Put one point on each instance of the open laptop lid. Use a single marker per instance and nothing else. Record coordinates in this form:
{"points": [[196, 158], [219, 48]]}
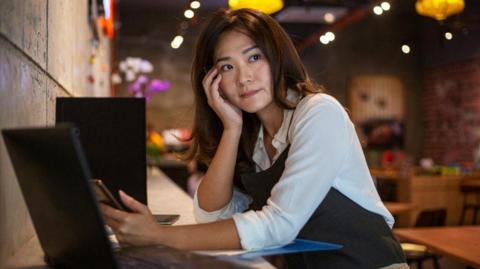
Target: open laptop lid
{"points": [[54, 178]]}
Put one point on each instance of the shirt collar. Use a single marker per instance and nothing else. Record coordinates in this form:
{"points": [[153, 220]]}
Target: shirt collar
{"points": [[280, 139]]}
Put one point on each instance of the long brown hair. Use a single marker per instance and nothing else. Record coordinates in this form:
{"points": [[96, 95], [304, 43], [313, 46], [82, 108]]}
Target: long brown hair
{"points": [[287, 70]]}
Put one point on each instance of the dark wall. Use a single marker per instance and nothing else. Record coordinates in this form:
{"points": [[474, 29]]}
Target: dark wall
{"points": [[465, 45], [372, 46]]}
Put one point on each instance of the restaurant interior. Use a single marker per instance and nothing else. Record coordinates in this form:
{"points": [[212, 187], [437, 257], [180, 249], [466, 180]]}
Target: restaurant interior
{"points": [[406, 71]]}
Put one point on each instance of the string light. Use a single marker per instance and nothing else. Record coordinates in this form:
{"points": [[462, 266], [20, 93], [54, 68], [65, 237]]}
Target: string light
{"points": [[183, 26], [324, 40], [327, 38], [378, 10], [406, 49], [330, 36], [385, 6], [189, 14], [195, 4], [177, 41], [448, 36], [329, 17]]}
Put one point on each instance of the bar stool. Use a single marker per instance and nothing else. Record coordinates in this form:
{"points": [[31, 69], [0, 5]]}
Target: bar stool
{"points": [[417, 253], [470, 189]]}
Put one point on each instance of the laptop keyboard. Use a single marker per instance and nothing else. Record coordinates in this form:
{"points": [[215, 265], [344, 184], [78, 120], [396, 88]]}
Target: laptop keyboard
{"points": [[164, 257]]}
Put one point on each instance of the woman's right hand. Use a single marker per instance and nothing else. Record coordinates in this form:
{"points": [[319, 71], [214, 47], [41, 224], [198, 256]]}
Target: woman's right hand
{"points": [[229, 114]]}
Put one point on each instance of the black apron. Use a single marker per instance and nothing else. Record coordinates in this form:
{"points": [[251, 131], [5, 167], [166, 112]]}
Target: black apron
{"points": [[368, 241]]}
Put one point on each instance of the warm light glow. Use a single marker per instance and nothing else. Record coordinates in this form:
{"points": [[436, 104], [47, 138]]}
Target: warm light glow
{"points": [[265, 6], [177, 41], [324, 40], [385, 6], [329, 17], [439, 9], [189, 14], [448, 36], [377, 10], [406, 49], [330, 36], [195, 4]]}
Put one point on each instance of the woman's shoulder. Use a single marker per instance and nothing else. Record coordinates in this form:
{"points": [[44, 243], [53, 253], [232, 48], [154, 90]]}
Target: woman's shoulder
{"points": [[319, 102]]}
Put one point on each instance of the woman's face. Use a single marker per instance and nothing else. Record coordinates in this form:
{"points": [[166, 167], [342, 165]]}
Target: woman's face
{"points": [[246, 73]]}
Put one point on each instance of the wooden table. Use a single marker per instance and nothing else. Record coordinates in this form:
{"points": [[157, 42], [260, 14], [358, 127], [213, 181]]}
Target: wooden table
{"points": [[398, 207], [461, 243]]}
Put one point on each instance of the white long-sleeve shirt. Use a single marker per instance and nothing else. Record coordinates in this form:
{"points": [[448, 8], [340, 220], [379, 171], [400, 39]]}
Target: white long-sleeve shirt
{"points": [[325, 152]]}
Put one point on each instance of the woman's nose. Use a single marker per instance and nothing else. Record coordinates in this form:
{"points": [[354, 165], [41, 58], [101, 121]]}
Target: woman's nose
{"points": [[245, 75]]}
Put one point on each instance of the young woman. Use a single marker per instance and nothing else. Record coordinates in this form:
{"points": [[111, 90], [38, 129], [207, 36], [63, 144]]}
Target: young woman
{"points": [[284, 159]]}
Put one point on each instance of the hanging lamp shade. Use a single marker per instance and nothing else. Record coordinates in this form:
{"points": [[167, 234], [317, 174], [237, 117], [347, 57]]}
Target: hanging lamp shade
{"points": [[265, 6], [439, 9]]}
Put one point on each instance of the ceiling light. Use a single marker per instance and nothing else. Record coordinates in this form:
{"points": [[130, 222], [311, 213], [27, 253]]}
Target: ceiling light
{"points": [[324, 40], [265, 6], [177, 41], [406, 49], [195, 4], [330, 36], [439, 9], [448, 36], [188, 14], [329, 17], [378, 10], [385, 6]]}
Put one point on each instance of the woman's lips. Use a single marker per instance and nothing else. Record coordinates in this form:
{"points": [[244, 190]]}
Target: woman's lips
{"points": [[249, 93]]}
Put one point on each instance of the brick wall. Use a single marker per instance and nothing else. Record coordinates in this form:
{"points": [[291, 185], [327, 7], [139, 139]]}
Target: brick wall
{"points": [[451, 104]]}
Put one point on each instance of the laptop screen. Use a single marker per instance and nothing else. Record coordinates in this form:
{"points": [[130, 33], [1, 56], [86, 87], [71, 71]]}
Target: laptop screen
{"points": [[54, 179]]}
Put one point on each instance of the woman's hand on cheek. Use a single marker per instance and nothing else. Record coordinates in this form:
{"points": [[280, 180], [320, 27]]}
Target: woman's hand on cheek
{"points": [[138, 228], [230, 115]]}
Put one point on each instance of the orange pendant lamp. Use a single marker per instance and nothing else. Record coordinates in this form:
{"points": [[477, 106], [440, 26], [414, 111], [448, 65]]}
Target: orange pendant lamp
{"points": [[439, 9], [265, 6]]}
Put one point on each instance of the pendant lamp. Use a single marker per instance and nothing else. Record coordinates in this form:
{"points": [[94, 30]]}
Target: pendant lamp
{"points": [[265, 6], [439, 9]]}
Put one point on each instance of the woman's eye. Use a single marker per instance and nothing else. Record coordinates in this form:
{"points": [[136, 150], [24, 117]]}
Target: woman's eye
{"points": [[226, 67], [255, 57]]}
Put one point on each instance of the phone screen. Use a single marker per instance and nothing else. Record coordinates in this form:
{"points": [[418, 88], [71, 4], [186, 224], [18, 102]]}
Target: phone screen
{"points": [[104, 195]]}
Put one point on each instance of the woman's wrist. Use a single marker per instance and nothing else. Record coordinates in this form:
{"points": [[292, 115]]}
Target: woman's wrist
{"points": [[161, 236], [235, 131]]}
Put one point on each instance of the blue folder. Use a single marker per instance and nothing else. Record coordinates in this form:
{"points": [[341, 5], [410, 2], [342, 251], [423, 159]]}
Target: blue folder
{"points": [[298, 245]]}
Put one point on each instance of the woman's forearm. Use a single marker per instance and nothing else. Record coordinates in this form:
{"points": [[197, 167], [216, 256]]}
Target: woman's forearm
{"points": [[209, 236], [215, 190]]}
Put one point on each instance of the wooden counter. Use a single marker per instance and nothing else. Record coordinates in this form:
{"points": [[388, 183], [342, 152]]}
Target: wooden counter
{"points": [[425, 192], [164, 197]]}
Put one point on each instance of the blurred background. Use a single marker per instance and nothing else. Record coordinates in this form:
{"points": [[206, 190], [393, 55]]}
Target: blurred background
{"points": [[407, 71]]}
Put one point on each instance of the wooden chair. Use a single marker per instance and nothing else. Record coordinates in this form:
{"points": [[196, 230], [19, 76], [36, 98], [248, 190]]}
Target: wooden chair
{"points": [[470, 189], [417, 253]]}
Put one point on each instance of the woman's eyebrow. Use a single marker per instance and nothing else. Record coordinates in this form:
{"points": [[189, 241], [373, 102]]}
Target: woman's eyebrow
{"points": [[249, 49], [245, 51]]}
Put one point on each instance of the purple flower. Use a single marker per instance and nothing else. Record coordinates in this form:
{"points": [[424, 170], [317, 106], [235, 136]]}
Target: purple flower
{"points": [[142, 79], [135, 87], [157, 85]]}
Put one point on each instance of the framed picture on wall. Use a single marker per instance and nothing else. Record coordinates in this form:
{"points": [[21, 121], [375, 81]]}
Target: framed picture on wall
{"points": [[377, 107]]}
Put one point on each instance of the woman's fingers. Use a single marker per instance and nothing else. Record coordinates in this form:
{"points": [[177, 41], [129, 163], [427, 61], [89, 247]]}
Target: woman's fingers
{"points": [[112, 213], [207, 81], [133, 204]]}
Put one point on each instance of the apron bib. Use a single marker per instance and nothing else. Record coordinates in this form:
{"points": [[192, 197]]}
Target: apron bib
{"points": [[368, 241]]}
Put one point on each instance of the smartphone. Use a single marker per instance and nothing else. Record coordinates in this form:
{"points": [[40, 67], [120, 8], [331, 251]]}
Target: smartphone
{"points": [[106, 197], [166, 219]]}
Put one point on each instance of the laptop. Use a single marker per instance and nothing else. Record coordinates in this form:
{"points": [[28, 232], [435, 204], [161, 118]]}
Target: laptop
{"points": [[54, 178]]}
